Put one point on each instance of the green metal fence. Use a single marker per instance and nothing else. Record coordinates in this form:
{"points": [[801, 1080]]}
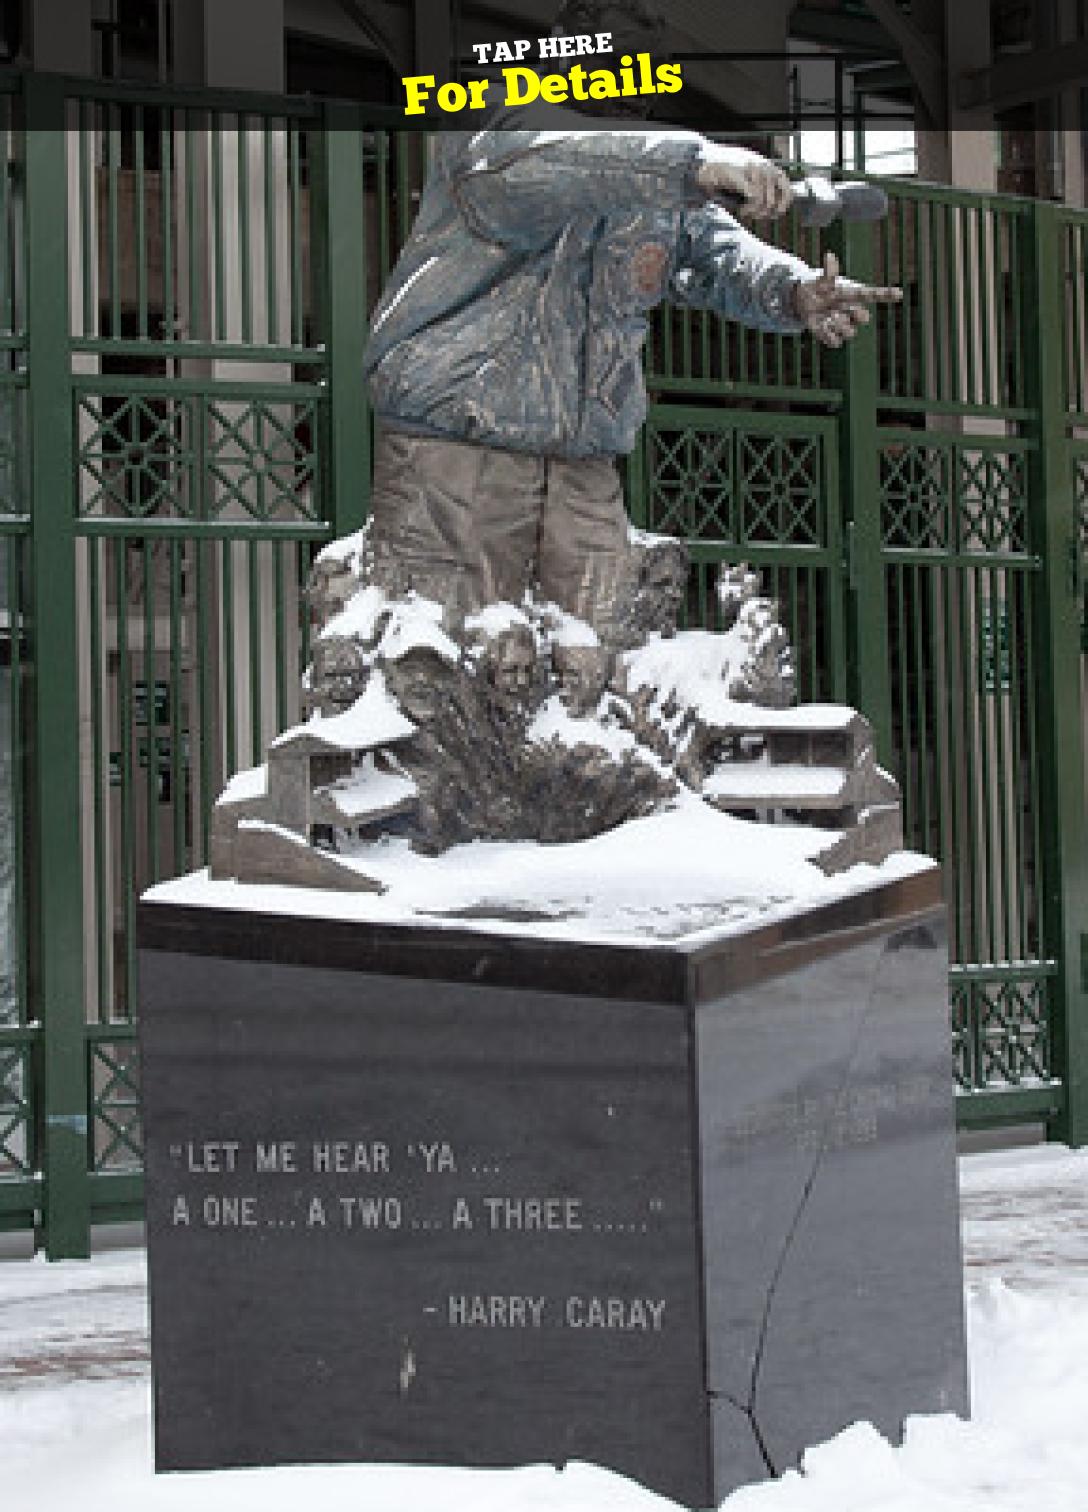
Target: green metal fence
{"points": [[183, 297], [931, 577]]}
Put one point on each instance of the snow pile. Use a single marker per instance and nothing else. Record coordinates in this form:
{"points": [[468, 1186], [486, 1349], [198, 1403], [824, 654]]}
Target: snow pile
{"points": [[87, 1441], [497, 619], [405, 624], [374, 719], [369, 790], [553, 721], [691, 670], [781, 779], [246, 785]]}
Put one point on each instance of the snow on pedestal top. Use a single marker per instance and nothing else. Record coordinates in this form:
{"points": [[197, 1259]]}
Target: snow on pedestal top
{"points": [[685, 875]]}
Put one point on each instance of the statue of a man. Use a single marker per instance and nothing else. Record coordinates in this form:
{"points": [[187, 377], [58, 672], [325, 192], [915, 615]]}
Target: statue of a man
{"points": [[505, 354]]}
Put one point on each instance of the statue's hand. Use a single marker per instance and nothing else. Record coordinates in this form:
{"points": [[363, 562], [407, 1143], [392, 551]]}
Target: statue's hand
{"points": [[834, 308], [748, 184]]}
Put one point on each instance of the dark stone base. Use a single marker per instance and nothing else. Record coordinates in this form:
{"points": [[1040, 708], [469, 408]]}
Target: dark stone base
{"points": [[681, 1211]]}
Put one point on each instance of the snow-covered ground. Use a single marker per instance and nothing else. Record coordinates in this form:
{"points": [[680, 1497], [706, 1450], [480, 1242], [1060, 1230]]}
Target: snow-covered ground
{"points": [[74, 1395]]}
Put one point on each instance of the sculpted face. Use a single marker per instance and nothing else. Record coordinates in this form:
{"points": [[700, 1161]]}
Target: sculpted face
{"points": [[664, 587], [583, 673], [513, 663]]}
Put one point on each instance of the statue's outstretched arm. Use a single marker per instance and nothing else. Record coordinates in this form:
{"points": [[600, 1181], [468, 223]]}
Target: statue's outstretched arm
{"points": [[520, 187], [724, 267]]}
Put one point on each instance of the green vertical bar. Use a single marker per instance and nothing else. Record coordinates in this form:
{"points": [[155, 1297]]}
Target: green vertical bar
{"points": [[988, 273], [1078, 324], [198, 329], [151, 794], [14, 558], [910, 243], [58, 915], [100, 747], [256, 666], [269, 209], [1004, 873], [203, 550], [7, 281], [833, 652], [166, 195], [1021, 950], [1054, 539], [177, 722], [922, 683], [140, 226], [970, 868], [279, 549], [868, 652], [305, 553], [298, 311], [1002, 233], [218, 213], [950, 841], [113, 210], [230, 686], [887, 318], [1033, 724], [897, 573], [245, 257], [1018, 237], [127, 882], [337, 237], [984, 766], [967, 280], [929, 351], [88, 215]]}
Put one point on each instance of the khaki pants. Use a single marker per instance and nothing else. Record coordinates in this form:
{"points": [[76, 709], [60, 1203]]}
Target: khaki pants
{"points": [[468, 525]]}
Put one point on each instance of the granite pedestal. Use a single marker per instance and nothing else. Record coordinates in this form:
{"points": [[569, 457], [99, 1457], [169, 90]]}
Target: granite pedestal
{"points": [[442, 1195]]}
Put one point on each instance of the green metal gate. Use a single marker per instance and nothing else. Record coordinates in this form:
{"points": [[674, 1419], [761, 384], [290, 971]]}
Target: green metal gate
{"points": [[183, 299], [947, 553]]}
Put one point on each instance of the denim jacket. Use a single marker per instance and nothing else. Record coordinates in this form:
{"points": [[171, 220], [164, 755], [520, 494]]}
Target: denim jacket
{"points": [[517, 312]]}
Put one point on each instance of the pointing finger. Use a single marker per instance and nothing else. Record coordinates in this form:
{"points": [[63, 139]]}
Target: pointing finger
{"points": [[877, 294]]}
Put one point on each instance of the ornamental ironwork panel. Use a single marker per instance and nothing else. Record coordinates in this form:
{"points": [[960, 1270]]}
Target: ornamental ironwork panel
{"points": [[261, 458], [916, 496], [16, 1114], [692, 492], [762, 489], [138, 455], [781, 489], [115, 1116], [992, 501], [1001, 1033]]}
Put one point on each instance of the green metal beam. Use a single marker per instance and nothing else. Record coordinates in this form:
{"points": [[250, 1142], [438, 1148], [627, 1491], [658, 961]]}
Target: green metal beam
{"points": [[1008, 1105], [57, 639], [1056, 635], [339, 259], [855, 369]]}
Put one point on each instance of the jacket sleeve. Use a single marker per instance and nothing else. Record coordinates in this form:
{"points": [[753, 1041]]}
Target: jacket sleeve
{"points": [[520, 187], [721, 266]]}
